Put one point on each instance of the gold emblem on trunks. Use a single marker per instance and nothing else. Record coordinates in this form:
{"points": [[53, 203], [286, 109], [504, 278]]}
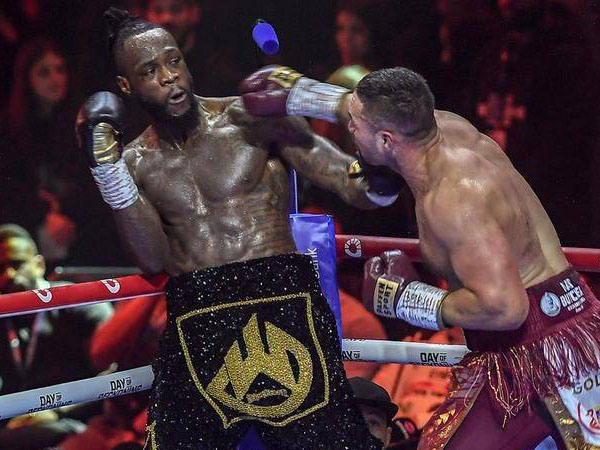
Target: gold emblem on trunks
{"points": [[286, 77], [266, 374], [290, 389]]}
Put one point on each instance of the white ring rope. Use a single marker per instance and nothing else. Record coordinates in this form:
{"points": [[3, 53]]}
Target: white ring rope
{"points": [[140, 379]]}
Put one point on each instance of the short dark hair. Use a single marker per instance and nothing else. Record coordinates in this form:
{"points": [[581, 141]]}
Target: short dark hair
{"points": [[121, 25], [12, 230], [399, 97]]}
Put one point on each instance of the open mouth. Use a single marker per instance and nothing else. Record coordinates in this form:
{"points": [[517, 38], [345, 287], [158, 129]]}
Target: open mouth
{"points": [[177, 97]]}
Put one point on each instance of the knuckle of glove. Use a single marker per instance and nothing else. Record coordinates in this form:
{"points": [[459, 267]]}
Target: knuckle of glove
{"points": [[374, 267], [102, 107], [257, 81], [384, 181], [397, 264], [266, 103]]}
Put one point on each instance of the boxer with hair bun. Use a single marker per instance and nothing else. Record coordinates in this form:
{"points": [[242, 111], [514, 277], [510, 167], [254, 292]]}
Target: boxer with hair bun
{"points": [[203, 194]]}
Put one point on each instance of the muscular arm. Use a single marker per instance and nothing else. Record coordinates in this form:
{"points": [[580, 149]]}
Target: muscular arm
{"points": [[141, 229], [319, 160], [493, 296]]}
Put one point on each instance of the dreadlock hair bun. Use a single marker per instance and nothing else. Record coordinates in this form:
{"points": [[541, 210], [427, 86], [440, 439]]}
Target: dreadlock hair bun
{"points": [[121, 25], [116, 19]]}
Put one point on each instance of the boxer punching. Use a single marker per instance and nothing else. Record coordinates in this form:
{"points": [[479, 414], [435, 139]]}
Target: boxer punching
{"points": [[203, 194], [532, 322]]}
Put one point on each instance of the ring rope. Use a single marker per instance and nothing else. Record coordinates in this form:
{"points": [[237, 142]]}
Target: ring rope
{"points": [[123, 288], [140, 379]]}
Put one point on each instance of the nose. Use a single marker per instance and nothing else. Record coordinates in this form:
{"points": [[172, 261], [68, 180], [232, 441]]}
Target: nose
{"points": [[168, 76]]}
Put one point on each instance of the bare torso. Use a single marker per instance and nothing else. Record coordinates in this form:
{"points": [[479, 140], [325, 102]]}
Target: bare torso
{"points": [[463, 156], [220, 198]]}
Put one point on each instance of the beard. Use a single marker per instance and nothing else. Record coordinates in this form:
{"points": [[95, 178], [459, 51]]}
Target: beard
{"points": [[159, 112]]}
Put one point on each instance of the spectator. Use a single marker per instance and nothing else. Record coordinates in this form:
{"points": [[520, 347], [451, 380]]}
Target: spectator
{"points": [[42, 186], [34, 127], [376, 407], [359, 43], [39, 349], [354, 38]]}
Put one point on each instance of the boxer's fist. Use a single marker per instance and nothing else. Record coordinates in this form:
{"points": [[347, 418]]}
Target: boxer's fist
{"points": [[385, 278], [98, 128], [384, 183], [281, 91], [265, 92]]}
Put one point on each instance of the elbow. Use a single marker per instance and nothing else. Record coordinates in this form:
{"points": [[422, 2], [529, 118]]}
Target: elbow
{"points": [[508, 317]]}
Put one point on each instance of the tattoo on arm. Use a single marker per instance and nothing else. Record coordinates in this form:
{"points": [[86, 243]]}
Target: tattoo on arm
{"points": [[320, 161]]}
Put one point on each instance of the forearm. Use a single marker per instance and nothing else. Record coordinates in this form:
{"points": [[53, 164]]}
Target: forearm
{"points": [[463, 309], [328, 167], [142, 234], [342, 112]]}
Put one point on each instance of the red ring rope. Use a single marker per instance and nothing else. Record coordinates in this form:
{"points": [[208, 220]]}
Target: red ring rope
{"points": [[583, 259]]}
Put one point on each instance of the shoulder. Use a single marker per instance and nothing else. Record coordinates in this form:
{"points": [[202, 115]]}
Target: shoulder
{"points": [[140, 148], [219, 105], [457, 201]]}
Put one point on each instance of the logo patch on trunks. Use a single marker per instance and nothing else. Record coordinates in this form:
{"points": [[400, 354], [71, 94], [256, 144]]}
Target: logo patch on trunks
{"points": [[550, 304], [272, 370]]}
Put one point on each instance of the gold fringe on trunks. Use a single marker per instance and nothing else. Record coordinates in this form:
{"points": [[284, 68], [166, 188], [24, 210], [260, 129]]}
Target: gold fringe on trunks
{"points": [[537, 367]]}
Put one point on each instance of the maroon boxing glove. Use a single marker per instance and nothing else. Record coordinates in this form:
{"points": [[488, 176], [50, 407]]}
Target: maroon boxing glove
{"points": [[281, 91], [391, 289]]}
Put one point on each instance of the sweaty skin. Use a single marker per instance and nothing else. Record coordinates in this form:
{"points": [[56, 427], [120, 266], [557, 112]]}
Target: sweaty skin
{"points": [[480, 224], [216, 192]]}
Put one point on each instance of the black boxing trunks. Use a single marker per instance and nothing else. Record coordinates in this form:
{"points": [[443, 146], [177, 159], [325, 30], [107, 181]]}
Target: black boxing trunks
{"points": [[252, 343]]}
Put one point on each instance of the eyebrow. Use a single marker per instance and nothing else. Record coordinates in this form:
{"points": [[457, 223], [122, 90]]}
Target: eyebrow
{"points": [[152, 61]]}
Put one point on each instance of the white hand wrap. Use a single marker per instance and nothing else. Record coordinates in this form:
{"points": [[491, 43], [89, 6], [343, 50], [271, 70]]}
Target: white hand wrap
{"points": [[115, 184], [420, 304], [314, 99]]}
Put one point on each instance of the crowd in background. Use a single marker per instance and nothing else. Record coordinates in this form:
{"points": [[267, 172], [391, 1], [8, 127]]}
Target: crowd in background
{"points": [[525, 72]]}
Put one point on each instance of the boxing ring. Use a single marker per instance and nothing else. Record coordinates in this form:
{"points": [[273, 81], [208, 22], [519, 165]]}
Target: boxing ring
{"points": [[135, 286]]}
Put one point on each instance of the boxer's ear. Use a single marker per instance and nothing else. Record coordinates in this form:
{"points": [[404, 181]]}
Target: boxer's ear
{"points": [[124, 85], [385, 139]]}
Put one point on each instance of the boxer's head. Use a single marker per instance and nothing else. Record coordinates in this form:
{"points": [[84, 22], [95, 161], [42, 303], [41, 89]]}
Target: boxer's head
{"points": [[390, 107], [21, 265], [151, 68]]}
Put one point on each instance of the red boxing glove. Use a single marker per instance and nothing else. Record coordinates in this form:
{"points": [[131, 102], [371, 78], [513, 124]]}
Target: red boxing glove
{"points": [[265, 91], [391, 289], [281, 91]]}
